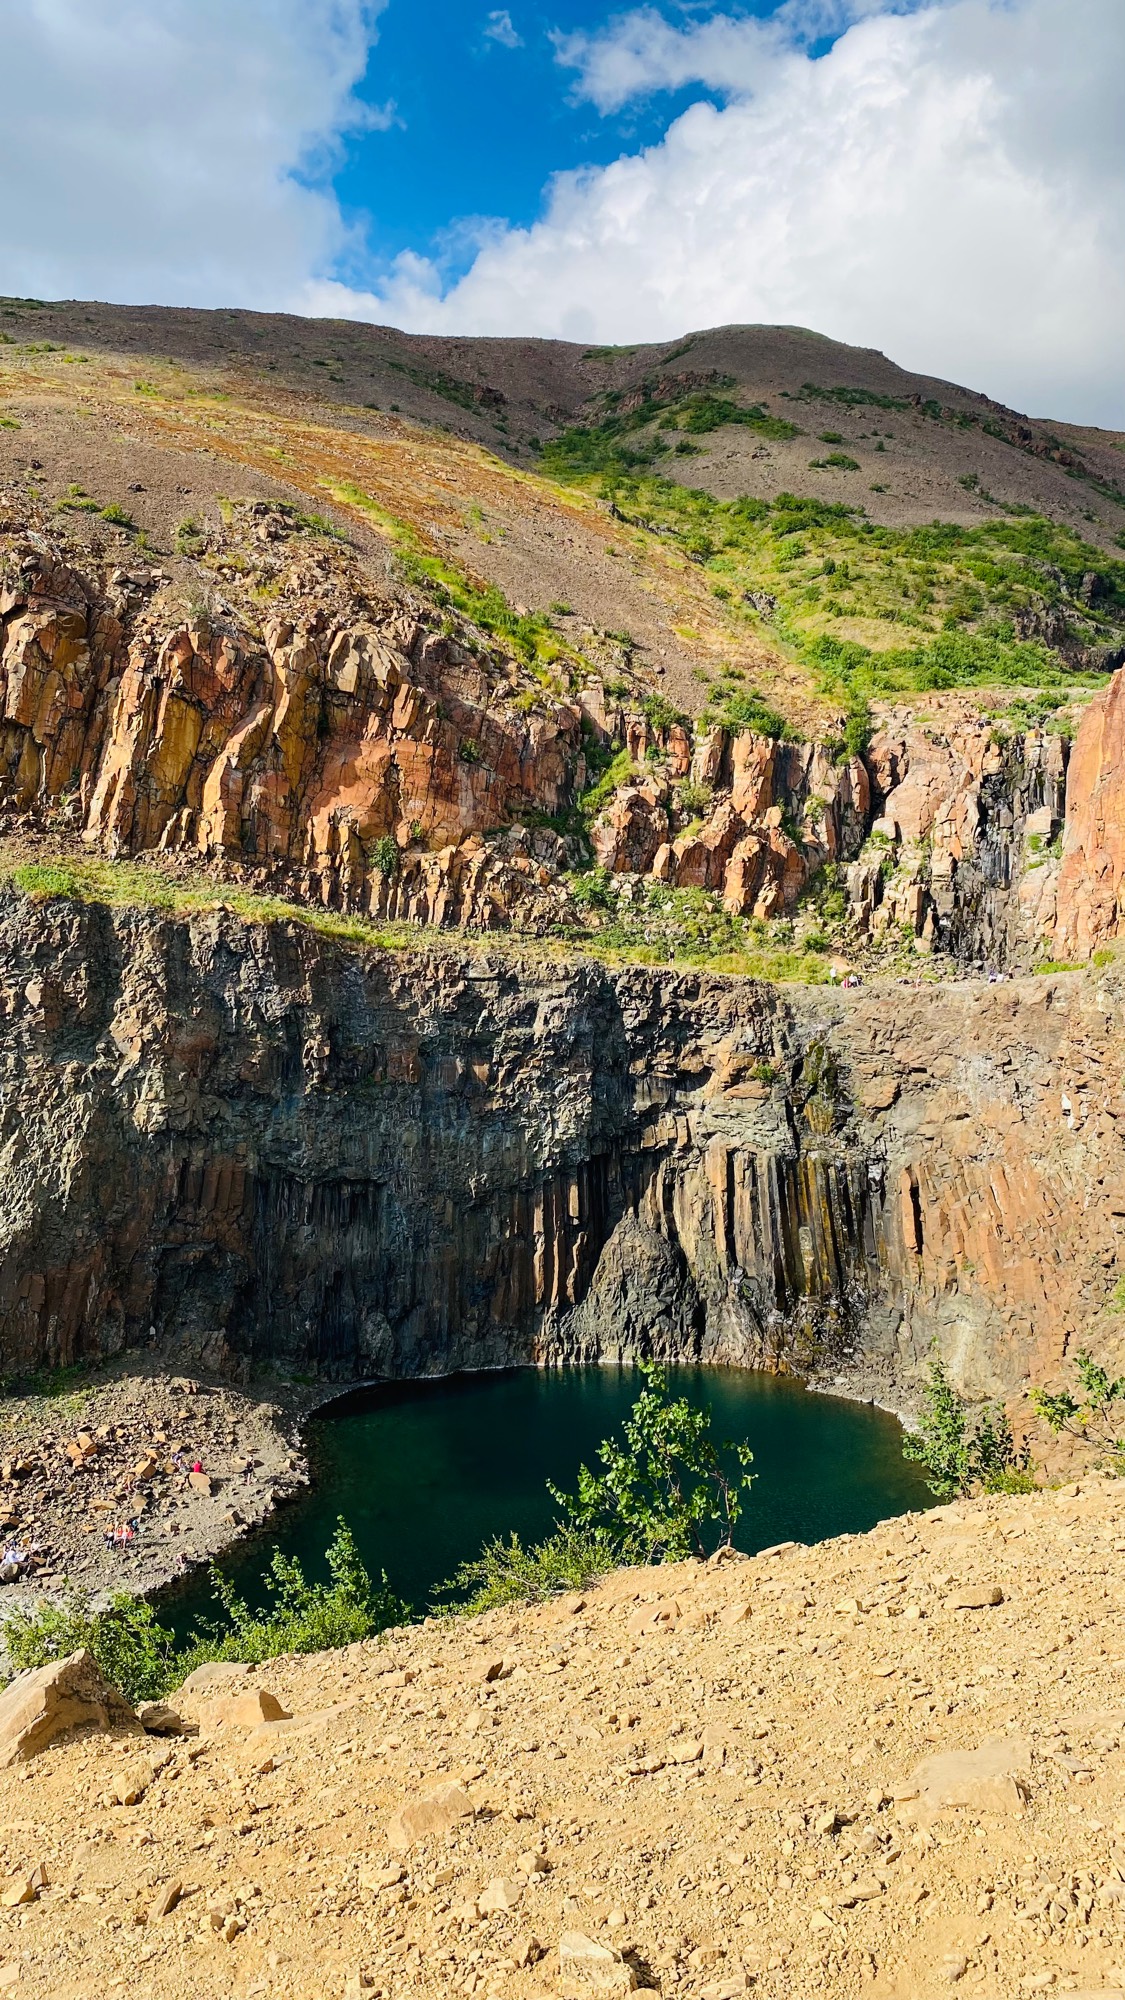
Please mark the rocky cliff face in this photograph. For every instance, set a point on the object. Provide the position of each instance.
(347, 745)
(357, 750)
(248, 1143)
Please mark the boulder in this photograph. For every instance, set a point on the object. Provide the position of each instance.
(207, 1679)
(158, 1719)
(593, 1967)
(436, 1812)
(48, 1701)
(994, 1778)
(240, 1711)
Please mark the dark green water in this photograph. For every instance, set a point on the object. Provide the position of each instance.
(424, 1473)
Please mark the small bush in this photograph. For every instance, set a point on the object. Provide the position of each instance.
(135, 1653)
(658, 1490)
(139, 1656)
(190, 538)
(593, 890)
(692, 799)
(118, 517)
(385, 857)
(960, 1455)
(598, 795)
(1098, 1414)
(660, 713)
(299, 1617)
(76, 500)
(508, 1572)
(735, 709)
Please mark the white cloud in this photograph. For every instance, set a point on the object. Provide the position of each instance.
(500, 28)
(947, 184)
(175, 150)
(640, 53)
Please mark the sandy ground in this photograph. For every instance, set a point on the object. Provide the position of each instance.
(717, 1773)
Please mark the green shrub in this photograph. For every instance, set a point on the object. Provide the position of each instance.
(660, 713)
(118, 517)
(190, 538)
(658, 1491)
(76, 500)
(1095, 1415)
(135, 1653)
(593, 890)
(598, 795)
(299, 1617)
(692, 799)
(735, 709)
(961, 1454)
(507, 1572)
(385, 856)
(139, 1656)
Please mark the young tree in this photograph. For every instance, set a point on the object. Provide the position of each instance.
(962, 1454)
(660, 1488)
(1097, 1417)
(664, 1483)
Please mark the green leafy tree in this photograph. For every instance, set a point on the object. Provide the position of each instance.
(1096, 1416)
(661, 1487)
(668, 1479)
(963, 1452)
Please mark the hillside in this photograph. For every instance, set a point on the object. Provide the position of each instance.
(890, 1766)
(381, 428)
(327, 633)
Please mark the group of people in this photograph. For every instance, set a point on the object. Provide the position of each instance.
(122, 1533)
(14, 1561)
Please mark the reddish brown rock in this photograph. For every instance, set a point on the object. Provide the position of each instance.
(1091, 886)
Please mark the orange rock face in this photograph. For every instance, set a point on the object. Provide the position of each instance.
(1091, 887)
(742, 849)
(336, 732)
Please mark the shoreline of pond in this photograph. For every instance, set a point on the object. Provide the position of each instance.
(279, 1415)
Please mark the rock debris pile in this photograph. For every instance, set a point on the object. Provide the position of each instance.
(891, 1766)
(126, 1484)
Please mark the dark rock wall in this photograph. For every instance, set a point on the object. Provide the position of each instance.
(251, 1145)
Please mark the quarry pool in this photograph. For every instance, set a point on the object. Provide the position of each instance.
(424, 1473)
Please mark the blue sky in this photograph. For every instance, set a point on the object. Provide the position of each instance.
(485, 118)
(940, 179)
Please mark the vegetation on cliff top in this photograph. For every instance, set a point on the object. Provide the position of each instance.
(870, 610)
(677, 927)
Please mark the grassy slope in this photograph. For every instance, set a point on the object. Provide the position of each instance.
(871, 610)
(685, 928)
